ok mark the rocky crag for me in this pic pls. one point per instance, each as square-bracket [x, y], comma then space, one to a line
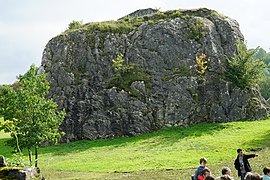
[174, 89]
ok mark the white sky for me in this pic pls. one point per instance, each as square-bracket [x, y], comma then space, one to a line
[27, 25]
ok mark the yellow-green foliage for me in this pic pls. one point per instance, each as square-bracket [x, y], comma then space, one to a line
[176, 14]
[8, 168]
[201, 64]
[118, 63]
[75, 25]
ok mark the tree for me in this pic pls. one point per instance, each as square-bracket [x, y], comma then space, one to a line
[262, 54]
[265, 87]
[243, 69]
[265, 81]
[29, 116]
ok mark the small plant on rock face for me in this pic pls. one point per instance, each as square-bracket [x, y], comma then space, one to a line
[198, 29]
[118, 63]
[201, 64]
[125, 74]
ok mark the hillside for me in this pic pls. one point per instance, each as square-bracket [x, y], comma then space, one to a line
[171, 152]
[168, 69]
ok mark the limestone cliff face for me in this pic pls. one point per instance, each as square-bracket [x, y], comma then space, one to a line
[78, 64]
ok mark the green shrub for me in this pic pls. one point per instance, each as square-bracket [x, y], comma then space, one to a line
[198, 29]
[125, 74]
[244, 70]
[75, 25]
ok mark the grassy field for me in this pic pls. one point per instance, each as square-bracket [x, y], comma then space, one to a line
[171, 153]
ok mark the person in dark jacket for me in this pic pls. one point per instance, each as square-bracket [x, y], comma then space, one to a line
[241, 163]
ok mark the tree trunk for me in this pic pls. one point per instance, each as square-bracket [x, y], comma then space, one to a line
[30, 156]
[17, 143]
[36, 156]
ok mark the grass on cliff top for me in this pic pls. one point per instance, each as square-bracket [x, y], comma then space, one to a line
[170, 152]
[127, 24]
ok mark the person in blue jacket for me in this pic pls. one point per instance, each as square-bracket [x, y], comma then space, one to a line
[200, 168]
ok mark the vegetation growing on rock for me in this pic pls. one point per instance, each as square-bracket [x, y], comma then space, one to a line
[243, 69]
[125, 74]
[129, 23]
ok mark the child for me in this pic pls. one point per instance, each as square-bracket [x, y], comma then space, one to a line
[199, 170]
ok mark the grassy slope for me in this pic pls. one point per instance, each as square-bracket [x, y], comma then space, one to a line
[171, 153]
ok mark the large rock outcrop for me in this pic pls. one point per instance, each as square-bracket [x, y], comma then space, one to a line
[78, 64]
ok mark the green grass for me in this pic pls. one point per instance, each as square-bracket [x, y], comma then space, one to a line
[127, 24]
[170, 152]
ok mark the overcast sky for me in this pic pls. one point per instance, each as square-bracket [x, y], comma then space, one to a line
[27, 25]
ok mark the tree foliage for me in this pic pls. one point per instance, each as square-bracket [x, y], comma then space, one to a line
[265, 81]
[29, 116]
[243, 69]
[265, 87]
[261, 54]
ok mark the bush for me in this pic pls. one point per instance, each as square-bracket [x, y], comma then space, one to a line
[75, 25]
[125, 74]
[243, 69]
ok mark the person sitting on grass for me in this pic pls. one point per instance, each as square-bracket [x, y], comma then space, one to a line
[266, 172]
[203, 162]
